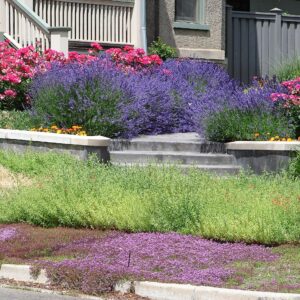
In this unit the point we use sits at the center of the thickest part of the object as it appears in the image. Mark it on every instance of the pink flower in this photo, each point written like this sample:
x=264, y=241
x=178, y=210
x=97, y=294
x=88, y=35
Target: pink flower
x=10, y=93
x=12, y=78
x=128, y=48
x=96, y=46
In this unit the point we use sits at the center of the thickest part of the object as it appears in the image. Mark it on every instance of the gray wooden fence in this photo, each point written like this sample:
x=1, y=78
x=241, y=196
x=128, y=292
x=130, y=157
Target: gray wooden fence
x=258, y=42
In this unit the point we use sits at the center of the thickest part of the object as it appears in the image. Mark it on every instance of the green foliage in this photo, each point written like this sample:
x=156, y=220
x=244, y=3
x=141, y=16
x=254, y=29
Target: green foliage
x=288, y=70
x=163, y=50
x=237, y=125
x=95, y=118
x=72, y=193
x=21, y=120
x=294, y=167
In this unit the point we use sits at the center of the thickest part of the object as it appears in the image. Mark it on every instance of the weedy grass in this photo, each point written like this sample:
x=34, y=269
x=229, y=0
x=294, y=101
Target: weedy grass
x=252, y=209
x=288, y=70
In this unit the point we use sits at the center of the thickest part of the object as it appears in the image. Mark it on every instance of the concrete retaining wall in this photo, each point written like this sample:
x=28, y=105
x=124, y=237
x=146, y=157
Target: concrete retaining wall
x=263, y=156
x=78, y=146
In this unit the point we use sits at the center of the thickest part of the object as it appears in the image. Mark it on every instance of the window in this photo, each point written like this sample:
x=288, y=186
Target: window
x=187, y=10
x=190, y=14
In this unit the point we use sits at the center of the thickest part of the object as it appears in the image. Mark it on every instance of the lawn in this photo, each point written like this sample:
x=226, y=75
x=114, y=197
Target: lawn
x=61, y=191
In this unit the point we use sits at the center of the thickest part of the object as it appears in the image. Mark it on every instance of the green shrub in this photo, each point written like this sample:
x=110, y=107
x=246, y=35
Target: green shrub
x=73, y=94
x=73, y=193
x=163, y=50
x=21, y=120
x=237, y=125
x=288, y=70
x=294, y=167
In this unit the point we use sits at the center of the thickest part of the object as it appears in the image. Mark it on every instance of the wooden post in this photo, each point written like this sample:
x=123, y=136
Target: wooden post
x=2, y=19
x=136, y=25
x=278, y=35
x=59, y=39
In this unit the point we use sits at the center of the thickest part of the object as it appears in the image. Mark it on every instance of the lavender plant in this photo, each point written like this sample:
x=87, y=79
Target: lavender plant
x=86, y=95
x=177, y=96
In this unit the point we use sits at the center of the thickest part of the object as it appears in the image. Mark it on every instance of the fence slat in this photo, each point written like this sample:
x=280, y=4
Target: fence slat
x=258, y=42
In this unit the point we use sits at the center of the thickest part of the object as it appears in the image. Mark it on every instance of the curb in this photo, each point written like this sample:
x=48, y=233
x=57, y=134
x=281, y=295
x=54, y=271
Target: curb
x=165, y=291
x=156, y=290
x=21, y=273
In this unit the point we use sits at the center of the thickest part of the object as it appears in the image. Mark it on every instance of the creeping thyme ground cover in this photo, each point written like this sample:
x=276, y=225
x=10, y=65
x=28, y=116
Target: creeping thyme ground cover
x=92, y=260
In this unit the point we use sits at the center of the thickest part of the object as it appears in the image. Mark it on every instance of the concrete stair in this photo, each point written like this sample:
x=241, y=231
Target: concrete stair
x=185, y=150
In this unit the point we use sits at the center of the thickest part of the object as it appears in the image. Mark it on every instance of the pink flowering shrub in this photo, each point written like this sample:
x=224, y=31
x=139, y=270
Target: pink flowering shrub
x=128, y=58
x=289, y=102
x=17, y=67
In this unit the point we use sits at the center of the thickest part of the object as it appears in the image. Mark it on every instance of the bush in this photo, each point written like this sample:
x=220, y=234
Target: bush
x=288, y=70
x=163, y=50
x=288, y=102
x=176, y=96
x=246, y=125
x=86, y=95
x=21, y=120
x=68, y=192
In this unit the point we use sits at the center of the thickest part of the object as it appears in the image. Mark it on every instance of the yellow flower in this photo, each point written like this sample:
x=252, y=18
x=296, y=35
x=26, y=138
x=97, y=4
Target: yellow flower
x=76, y=127
x=256, y=134
x=277, y=137
x=283, y=139
x=82, y=133
x=272, y=139
x=54, y=127
x=289, y=140
x=59, y=131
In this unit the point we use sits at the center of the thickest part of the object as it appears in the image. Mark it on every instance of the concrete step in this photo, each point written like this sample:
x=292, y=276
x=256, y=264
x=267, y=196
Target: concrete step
x=186, y=158
x=148, y=145
x=220, y=170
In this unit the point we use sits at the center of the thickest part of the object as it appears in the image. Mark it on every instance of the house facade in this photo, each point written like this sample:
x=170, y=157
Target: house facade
x=243, y=34
x=196, y=28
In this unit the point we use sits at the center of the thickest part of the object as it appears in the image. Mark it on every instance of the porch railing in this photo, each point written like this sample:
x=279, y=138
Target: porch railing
x=107, y=22
x=24, y=26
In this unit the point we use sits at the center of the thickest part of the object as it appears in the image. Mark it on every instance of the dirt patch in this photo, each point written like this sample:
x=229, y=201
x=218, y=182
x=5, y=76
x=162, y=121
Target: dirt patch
x=8, y=180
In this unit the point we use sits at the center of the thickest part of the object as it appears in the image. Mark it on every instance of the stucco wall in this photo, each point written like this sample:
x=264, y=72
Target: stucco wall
x=208, y=44
x=288, y=6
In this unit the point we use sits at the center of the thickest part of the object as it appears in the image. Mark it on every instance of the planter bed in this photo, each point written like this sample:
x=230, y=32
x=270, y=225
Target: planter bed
x=263, y=156
x=78, y=146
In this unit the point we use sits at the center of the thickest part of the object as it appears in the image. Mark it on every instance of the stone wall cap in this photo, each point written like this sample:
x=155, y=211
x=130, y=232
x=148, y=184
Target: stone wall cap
x=263, y=146
x=45, y=137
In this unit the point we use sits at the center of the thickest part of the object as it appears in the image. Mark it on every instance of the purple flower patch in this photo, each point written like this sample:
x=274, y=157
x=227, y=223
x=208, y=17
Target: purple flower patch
x=7, y=234
x=167, y=257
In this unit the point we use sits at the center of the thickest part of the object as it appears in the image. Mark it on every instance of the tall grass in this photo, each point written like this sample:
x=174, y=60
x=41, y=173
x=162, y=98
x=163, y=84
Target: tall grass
x=264, y=209
x=288, y=70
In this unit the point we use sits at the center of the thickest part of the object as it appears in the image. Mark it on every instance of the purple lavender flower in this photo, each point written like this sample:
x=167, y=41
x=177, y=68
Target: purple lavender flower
x=7, y=234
